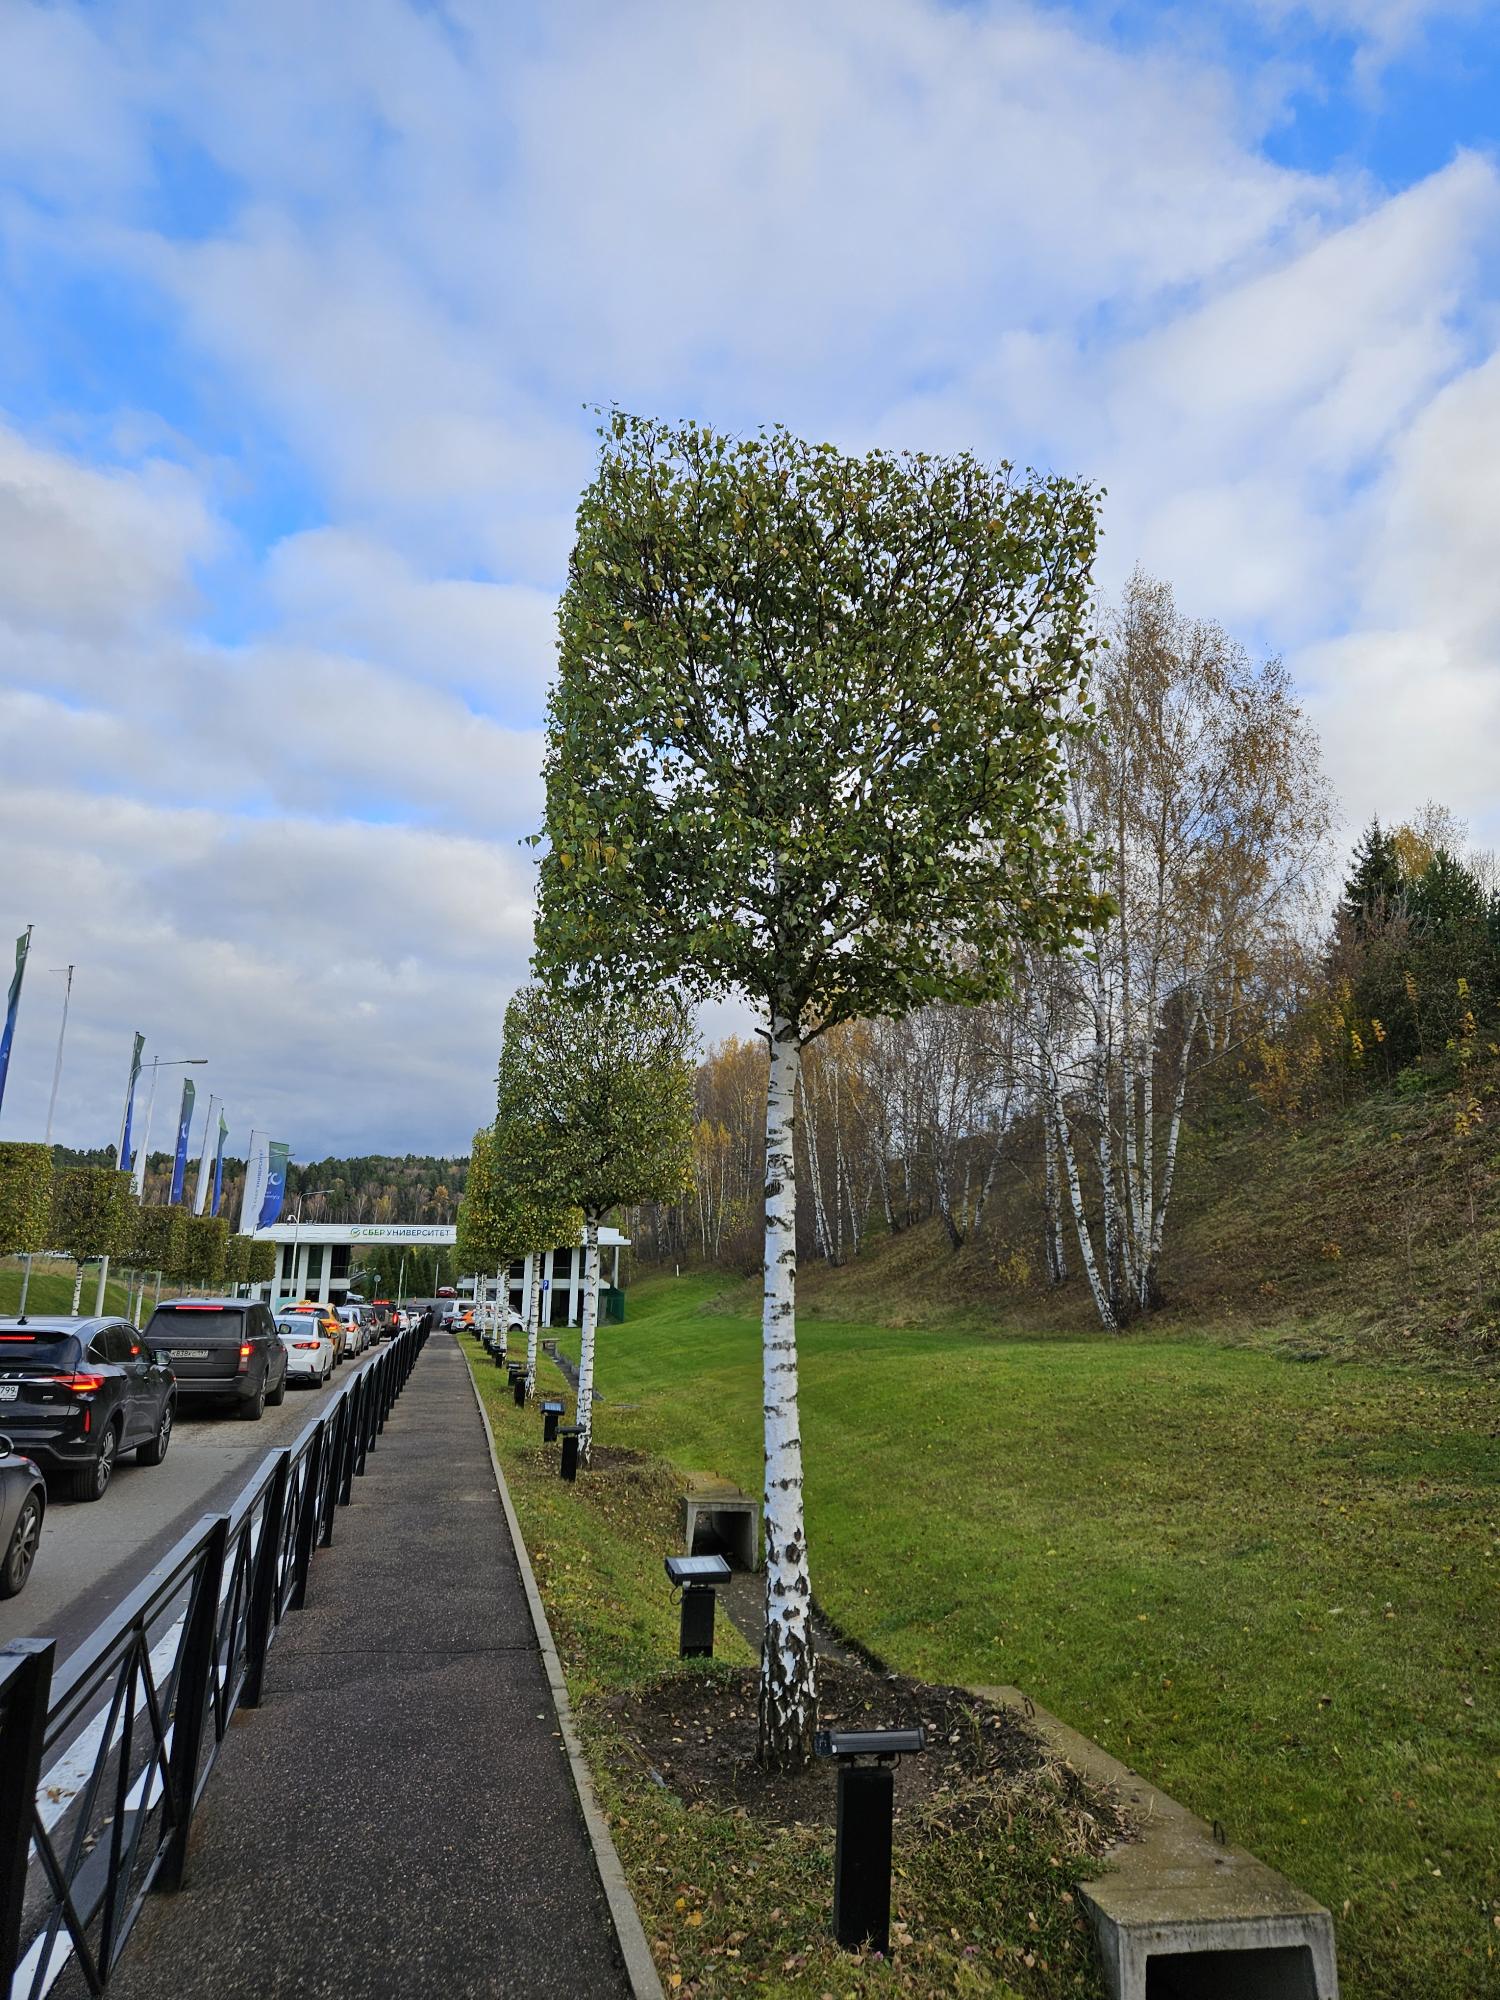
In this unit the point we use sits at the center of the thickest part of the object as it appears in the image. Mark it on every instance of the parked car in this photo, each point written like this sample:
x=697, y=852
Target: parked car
x=75, y=1393
x=328, y=1321
x=374, y=1324
x=222, y=1350
x=23, y=1506
x=309, y=1350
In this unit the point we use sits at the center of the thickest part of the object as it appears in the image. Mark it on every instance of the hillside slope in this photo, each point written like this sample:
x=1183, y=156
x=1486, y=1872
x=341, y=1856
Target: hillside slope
x=1373, y=1230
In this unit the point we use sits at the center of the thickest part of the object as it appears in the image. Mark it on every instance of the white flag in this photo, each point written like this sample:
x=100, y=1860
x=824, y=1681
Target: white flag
x=205, y=1178
x=257, y=1170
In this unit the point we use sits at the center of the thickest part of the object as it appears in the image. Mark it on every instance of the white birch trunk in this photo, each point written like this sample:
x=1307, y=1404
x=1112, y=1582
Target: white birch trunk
x=1057, y=1110
x=788, y=1687
x=1169, y=1164
x=584, y=1415
x=815, y=1171
x=77, y=1290
x=533, y=1320
x=1057, y=1249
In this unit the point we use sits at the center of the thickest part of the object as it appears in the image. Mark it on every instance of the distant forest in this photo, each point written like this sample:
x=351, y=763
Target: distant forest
x=374, y=1187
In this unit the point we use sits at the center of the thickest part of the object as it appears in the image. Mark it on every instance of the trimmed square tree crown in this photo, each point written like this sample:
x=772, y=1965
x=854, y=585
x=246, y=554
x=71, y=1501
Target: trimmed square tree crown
x=806, y=743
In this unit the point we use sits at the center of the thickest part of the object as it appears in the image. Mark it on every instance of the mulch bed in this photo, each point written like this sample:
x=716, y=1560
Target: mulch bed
x=695, y=1733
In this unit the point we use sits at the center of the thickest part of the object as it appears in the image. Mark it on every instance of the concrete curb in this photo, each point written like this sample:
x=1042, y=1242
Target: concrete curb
x=640, y=1966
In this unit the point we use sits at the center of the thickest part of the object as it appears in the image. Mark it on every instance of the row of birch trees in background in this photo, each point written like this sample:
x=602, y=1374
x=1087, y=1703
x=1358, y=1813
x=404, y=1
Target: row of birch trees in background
x=1200, y=797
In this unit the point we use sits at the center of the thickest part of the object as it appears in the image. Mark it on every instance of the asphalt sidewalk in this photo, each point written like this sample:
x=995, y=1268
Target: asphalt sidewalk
x=398, y=1817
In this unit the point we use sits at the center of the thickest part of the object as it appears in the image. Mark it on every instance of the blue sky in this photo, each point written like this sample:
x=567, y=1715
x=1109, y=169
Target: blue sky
x=301, y=310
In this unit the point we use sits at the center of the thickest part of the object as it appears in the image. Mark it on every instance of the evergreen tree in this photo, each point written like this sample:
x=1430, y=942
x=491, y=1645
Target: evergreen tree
x=1375, y=888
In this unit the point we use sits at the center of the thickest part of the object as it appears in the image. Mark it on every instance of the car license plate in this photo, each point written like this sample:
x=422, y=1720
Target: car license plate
x=9, y=1391
x=188, y=1353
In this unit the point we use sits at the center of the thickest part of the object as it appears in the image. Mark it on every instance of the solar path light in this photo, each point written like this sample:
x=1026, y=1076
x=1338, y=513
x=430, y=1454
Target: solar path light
x=518, y=1387
x=866, y=1759
x=570, y=1435
x=551, y=1416
x=695, y=1577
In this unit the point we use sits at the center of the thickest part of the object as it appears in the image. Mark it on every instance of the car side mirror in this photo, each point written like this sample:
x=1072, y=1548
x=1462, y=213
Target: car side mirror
x=6, y=1447
x=161, y=1357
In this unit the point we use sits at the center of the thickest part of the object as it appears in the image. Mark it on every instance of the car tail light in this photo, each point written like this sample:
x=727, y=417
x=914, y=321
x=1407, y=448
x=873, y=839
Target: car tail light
x=306, y=1343
x=247, y=1348
x=81, y=1385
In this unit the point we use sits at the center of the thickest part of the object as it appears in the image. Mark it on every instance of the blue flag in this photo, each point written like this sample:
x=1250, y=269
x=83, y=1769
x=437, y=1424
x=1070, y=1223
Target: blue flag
x=184, y=1119
x=23, y=946
x=219, y=1163
x=123, y=1163
x=270, y=1206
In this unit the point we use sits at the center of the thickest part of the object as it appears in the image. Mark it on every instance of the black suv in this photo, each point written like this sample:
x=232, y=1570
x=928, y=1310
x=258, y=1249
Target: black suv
x=75, y=1393
x=222, y=1349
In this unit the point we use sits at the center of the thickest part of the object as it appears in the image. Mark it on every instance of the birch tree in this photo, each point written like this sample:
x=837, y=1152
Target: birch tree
x=92, y=1212
x=804, y=746
x=596, y=1099
x=1204, y=800
x=536, y=1218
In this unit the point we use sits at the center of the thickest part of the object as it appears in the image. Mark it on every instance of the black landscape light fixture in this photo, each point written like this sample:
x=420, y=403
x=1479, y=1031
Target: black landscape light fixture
x=551, y=1417
x=518, y=1386
x=862, y=1844
x=569, y=1434
x=695, y=1577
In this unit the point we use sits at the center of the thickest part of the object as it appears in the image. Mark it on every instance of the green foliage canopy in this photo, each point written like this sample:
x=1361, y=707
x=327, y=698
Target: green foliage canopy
x=596, y=1100
x=93, y=1212
x=25, y=1195
x=805, y=737
x=156, y=1240
x=204, y=1250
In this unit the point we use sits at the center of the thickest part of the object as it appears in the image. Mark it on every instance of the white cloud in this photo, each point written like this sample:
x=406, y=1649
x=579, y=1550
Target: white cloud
x=343, y=981
x=90, y=551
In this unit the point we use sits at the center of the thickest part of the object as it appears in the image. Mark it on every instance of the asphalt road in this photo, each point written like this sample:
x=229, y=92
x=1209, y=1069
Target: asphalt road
x=94, y=1552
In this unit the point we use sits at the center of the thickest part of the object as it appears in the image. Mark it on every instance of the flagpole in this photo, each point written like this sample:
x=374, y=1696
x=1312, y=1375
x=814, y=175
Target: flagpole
x=51, y=1110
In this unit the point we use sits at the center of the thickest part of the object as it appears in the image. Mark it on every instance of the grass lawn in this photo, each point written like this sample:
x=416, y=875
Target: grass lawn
x=1272, y=1587
x=982, y=1897
x=52, y=1288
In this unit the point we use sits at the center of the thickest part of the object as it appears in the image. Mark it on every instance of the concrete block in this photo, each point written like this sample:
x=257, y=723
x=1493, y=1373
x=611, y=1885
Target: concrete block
x=719, y=1519
x=1181, y=1914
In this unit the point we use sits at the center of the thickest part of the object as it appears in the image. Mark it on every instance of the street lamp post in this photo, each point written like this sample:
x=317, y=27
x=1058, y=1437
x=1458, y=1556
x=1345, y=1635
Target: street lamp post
x=307, y=1194
x=181, y=1062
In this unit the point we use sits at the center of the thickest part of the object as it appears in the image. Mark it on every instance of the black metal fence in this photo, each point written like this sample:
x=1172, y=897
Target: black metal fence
x=103, y=1759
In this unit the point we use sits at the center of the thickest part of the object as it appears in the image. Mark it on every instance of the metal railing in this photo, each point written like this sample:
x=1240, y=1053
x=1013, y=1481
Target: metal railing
x=103, y=1760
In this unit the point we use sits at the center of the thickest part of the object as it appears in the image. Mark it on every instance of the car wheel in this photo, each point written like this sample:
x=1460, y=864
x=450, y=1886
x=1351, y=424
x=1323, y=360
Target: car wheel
x=280, y=1395
x=24, y=1543
x=255, y=1409
x=156, y=1450
x=91, y=1482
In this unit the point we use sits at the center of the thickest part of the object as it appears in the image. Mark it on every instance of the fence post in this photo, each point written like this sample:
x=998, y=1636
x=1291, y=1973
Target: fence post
x=25, y=1688
x=195, y=1678
x=307, y=1522
x=351, y=1446
x=333, y=1447
x=263, y=1588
